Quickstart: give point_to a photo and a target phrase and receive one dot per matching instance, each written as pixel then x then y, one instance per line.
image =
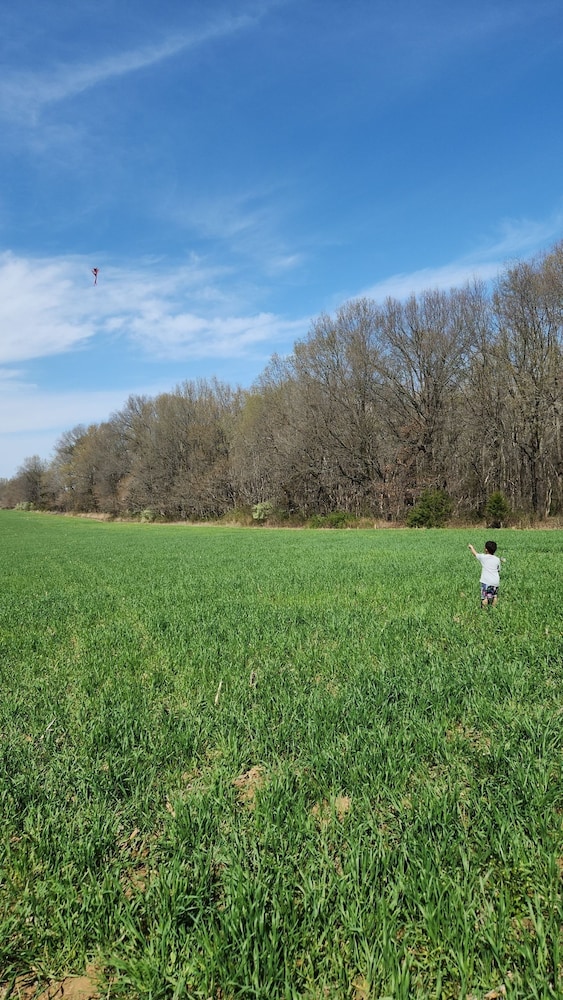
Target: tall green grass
pixel 277 764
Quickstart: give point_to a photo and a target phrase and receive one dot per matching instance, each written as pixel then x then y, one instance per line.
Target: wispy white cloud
pixel 225 216
pixel 515 239
pixel 285 262
pixel 50 307
pixel 186 335
pixel 25 93
pixel 454 275
pixel 247 222
pixel 41 312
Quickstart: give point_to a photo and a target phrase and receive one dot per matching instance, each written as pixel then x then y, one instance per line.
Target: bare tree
pixel 178 450
pixel 28 484
pixel 429 341
pixel 337 367
pixel 64 479
pixel 528 307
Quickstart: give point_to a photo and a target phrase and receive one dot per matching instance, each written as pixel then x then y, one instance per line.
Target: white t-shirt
pixel 490 569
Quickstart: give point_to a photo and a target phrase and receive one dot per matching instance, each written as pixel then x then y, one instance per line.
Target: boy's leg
pixel 484 598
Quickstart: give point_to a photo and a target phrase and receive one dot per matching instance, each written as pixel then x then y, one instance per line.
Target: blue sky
pixel 235 169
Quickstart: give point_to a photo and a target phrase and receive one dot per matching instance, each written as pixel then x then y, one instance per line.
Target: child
pixel 490 573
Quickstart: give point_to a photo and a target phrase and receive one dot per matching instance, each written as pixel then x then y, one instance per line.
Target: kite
pixel 95 272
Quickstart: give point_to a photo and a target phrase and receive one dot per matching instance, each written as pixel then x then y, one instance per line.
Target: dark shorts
pixel 488 592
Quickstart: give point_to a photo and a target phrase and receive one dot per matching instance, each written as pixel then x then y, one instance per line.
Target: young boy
pixel 490 573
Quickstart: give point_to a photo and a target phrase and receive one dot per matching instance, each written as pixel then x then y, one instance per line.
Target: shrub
pixel 432 510
pixel 262 511
pixel 148 516
pixel 497 510
pixel 336 519
pixel 241 516
pixel 339 519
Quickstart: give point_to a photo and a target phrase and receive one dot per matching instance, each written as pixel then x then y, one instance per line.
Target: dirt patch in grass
pixel 248 784
pixel 478 740
pixel 325 811
pixel 70 988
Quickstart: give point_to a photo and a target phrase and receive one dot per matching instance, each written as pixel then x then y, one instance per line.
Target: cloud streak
pixel 517 237
pixel 25 94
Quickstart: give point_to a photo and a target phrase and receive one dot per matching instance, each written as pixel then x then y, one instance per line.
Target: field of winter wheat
pixel 277 764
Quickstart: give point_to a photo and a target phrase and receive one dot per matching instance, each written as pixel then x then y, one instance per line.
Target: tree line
pixel 454 391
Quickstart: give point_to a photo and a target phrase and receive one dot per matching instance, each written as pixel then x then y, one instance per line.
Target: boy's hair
pixel 491 548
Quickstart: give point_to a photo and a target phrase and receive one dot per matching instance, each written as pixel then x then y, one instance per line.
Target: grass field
pixel 275 764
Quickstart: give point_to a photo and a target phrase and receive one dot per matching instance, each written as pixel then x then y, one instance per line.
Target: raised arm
pixel 472 550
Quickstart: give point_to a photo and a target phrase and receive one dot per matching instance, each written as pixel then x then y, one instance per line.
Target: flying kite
pixel 95 272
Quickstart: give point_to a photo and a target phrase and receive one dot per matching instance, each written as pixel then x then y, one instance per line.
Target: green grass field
pixel 275 764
